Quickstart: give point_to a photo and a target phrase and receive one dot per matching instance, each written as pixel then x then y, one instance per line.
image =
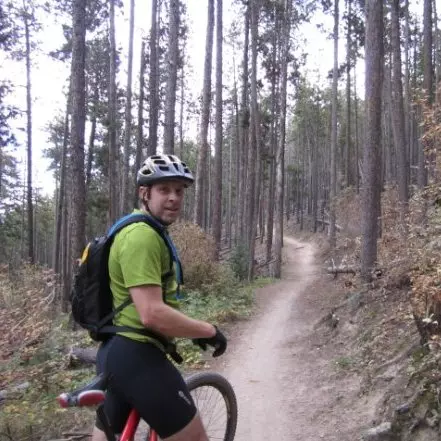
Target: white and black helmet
pixel 158 168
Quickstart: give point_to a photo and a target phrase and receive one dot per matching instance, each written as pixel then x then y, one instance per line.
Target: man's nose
pixel 173 195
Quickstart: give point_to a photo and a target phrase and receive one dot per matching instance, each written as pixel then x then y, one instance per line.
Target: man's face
pixel 164 200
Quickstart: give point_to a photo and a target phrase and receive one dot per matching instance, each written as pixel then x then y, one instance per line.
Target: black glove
pixel 219 343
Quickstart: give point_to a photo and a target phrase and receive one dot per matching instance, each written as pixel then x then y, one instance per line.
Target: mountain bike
pixel 213 395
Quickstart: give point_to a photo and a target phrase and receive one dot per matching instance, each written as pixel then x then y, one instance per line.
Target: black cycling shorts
pixel 142 377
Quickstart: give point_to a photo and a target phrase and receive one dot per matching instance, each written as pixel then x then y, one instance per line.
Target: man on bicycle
pixel 141 375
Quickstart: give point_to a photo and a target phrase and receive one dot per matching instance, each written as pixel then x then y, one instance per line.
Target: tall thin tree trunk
pixel 237 158
pixel 30 208
pixel 229 215
pixel 333 189
pixel 371 157
pixel 273 146
pixel 217 207
pixel 93 121
pixel 128 116
pixel 181 112
pixel 113 148
pixel 173 60
pixel 428 89
pixel 253 147
pixel 407 108
pixel 348 150
pixel 153 82
pixel 205 120
pixel 399 130
pixel 140 128
pixel 78 113
pixel 357 143
pixel 244 128
pixel 62 191
pixel 280 152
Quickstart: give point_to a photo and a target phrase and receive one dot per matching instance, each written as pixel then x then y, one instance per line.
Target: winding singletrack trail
pixel 287 384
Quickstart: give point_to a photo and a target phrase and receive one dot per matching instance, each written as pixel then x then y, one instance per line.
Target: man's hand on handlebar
pixel 218 342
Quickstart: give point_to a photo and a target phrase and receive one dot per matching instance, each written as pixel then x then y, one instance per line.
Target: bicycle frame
pixel 128 433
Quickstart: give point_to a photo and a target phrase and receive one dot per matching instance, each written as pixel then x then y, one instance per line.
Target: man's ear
pixel 144 193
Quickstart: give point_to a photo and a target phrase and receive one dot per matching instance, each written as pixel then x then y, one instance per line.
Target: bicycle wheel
pixel 216 402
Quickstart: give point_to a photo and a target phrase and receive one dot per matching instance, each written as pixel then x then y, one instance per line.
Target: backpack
pixel 91 297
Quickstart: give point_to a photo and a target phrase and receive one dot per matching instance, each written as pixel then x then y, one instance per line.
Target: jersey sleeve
pixel 140 257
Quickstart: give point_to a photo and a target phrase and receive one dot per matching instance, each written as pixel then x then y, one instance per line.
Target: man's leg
pixel 98 435
pixel 194 431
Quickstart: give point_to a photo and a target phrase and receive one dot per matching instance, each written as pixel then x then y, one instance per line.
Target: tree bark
pixel 140 131
pixel 348 147
pixel 371 155
pixel 399 129
pixel 128 116
pixel 173 60
pixel 113 148
pixel 280 152
pixel 78 112
pixel 217 208
pixel 30 208
pixel 333 189
pixel 244 130
pixel 428 88
pixel 62 200
pixel 93 121
pixel 253 148
pixel 201 171
pixel 153 83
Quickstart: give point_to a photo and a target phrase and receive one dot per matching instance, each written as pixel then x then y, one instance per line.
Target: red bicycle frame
pixel 128 433
pixel 95 397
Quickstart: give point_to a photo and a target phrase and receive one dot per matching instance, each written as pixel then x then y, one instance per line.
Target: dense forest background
pixel 283 136
pixel 267 141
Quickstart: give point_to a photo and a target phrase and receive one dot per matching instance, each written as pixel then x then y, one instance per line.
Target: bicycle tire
pixel 214 382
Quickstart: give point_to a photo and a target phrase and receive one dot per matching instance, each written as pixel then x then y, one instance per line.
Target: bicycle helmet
pixel 158 168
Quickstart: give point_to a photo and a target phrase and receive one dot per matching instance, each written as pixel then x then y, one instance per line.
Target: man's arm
pixel 160 317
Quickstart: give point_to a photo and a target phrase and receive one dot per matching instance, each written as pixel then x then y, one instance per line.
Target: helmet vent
pixel 160 161
pixel 163 168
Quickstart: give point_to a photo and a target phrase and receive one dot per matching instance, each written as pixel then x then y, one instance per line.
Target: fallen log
pixel 342 270
pixel 78 356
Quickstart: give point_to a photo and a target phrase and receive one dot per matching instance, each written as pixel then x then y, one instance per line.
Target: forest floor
pixel 320 358
pixel 317 361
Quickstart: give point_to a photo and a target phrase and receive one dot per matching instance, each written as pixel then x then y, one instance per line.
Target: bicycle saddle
pixel 90 395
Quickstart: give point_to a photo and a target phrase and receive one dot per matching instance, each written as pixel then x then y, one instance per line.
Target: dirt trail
pixel 286 382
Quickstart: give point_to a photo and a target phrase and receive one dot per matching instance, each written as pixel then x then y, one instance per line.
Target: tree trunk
pixel 273 146
pixel 244 129
pixel 113 148
pixel 333 189
pixel 399 130
pixel 253 148
pixel 78 190
pixel 62 200
pixel 128 116
pixel 93 121
pixel 371 155
pixel 348 149
pixel 181 112
pixel 30 208
pixel 280 152
pixel 173 60
pixel 140 134
pixel 428 88
pixel 201 171
pixel 217 208
pixel 153 83
pixel 237 157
